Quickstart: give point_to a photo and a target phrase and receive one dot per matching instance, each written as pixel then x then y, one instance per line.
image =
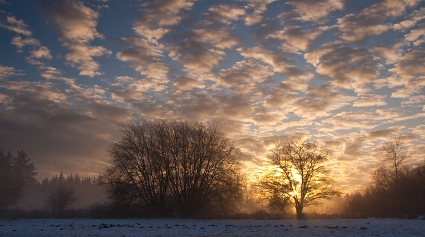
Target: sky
pixel 348 75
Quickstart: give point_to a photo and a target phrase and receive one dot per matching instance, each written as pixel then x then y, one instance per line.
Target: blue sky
pixel 347 74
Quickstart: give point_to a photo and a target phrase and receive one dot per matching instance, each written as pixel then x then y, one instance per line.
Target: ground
pixel 194 227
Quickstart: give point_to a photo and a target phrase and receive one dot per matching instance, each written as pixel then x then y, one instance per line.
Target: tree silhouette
pixel 61 198
pixel 395 153
pixel 395 188
pixel 299 175
pixel 162 167
pixel 15 173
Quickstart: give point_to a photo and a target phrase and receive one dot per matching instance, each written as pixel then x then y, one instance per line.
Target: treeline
pixel 396 190
pixel 189 169
pixel 21 195
pixel 58 196
pixel 389 195
pixel 75 192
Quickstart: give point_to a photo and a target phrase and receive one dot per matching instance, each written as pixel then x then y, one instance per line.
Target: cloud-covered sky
pixel 347 74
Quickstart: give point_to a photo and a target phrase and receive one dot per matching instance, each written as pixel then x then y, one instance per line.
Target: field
pixel 194 227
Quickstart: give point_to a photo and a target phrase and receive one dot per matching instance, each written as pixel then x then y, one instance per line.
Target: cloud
pixel 385 133
pixel 262 116
pixel 370 100
pixel 253 153
pixel 20 42
pixel 193 106
pixel 7 72
pixel 388 114
pixel 348 121
pixel 49 72
pixel 15 25
pixel 153 108
pixel 5 100
pixel 165 13
pixel 143 57
pixel 220 38
pixel 258 7
pixel 35 90
pixel 41 52
pixel 197 58
pixel 354 148
pixel 110 114
pixel 391 54
pixel 141 54
pixel 131 90
pixel 236 107
pixel 125 89
pixel 296 37
pixel 416 101
pixel 231 128
pixel 319 102
pixel 420 131
pixel 245 76
pixel 315 11
pixel 253 19
pixel 405 118
pixel 416 37
pixel 413 18
pixel 408 73
pixel 259 69
pixel 186 83
pixel 224 13
pixel 60 124
pixel 145 50
pixel 346 67
pixel 372 20
pixel 205 46
pixel 81 56
pixel 282 95
pixel 157 14
pixel 77 24
pixel 38 51
pixel 52 145
pixel 279 62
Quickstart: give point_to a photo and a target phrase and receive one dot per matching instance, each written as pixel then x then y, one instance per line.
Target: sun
pixel 296 186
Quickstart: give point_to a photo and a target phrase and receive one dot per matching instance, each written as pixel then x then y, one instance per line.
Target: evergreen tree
pixel 15 173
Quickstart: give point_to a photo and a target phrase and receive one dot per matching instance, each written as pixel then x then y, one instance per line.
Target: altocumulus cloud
pixel 348 74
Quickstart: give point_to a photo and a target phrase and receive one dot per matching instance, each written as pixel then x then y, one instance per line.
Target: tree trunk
pixel 299 209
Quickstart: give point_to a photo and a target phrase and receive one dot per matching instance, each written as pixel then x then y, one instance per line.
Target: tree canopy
pixel 299 175
pixel 15 172
pixel 162 167
pixel 395 189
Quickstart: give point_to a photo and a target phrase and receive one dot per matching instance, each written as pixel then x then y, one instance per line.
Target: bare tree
pixel 61 198
pixel 167 166
pixel 300 175
pixel 395 188
pixel 138 176
pixel 395 154
pixel 387 178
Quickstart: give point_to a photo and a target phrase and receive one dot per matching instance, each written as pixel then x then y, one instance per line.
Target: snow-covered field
pixel 191 227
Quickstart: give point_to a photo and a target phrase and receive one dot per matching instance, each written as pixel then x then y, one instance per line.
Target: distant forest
pixel 83 192
pixel 189 169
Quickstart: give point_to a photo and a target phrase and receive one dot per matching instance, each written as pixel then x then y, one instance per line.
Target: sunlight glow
pixel 236 63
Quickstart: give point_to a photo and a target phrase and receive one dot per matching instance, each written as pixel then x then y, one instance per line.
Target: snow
pixel 194 227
